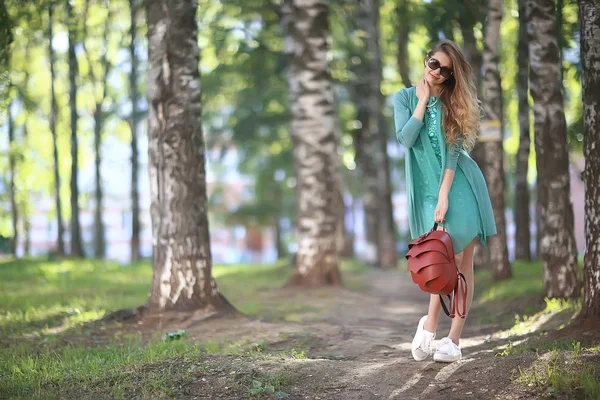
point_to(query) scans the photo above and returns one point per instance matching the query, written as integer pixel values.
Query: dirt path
(358, 347)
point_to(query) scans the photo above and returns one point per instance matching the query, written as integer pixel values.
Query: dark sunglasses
(435, 64)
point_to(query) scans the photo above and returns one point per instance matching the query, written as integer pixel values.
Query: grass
(562, 373)
(526, 281)
(49, 350)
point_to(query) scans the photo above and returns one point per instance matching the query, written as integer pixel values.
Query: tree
(494, 151)
(133, 122)
(523, 234)
(100, 89)
(182, 259)
(76, 245)
(403, 29)
(557, 245)
(14, 211)
(60, 244)
(370, 141)
(589, 15)
(468, 18)
(306, 28)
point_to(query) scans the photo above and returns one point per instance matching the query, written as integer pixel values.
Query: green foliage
(47, 347)
(559, 373)
(526, 281)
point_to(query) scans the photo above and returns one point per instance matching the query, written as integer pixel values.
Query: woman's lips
(434, 76)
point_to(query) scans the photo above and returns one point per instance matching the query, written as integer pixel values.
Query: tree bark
(522, 201)
(589, 17)
(133, 123)
(182, 259)
(60, 244)
(99, 231)
(314, 141)
(403, 17)
(99, 240)
(76, 245)
(386, 242)
(493, 145)
(14, 211)
(371, 146)
(558, 250)
(481, 254)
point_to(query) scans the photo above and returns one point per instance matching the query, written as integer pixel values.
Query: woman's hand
(423, 90)
(439, 215)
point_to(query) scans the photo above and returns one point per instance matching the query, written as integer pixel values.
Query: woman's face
(435, 77)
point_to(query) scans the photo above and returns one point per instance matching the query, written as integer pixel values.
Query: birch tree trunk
(314, 141)
(76, 245)
(523, 234)
(386, 241)
(181, 244)
(493, 146)
(589, 17)
(133, 124)
(481, 255)
(403, 18)
(60, 244)
(557, 246)
(14, 210)
(101, 82)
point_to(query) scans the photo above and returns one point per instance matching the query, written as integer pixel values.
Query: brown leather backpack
(432, 266)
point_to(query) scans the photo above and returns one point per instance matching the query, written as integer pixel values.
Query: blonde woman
(437, 121)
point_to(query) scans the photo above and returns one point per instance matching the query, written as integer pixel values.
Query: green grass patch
(562, 374)
(112, 371)
(526, 281)
(41, 301)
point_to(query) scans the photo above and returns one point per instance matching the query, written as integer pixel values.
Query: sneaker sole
(445, 358)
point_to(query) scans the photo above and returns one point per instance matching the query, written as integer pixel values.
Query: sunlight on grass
(40, 300)
(527, 324)
(562, 373)
(526, 280)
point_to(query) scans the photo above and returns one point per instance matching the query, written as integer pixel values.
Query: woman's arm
(407, 126)
(452, 155)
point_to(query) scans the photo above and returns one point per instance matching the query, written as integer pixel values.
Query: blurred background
(246, 121)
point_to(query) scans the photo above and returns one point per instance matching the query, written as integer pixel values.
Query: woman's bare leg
(433, 314)
(466, 267)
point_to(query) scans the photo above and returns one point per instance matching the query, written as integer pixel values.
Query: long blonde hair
(462, 108)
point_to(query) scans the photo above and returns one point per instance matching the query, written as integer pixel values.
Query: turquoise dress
(469, 212)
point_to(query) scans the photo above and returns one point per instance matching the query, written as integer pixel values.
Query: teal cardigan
(412, 133)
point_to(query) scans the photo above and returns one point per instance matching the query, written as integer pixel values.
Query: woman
(438, 121)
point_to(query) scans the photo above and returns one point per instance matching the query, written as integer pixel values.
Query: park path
(359, 348)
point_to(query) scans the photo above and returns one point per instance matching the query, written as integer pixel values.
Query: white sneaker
(447, 351)
(422, 342)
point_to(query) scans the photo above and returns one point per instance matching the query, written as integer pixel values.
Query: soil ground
(350, 345)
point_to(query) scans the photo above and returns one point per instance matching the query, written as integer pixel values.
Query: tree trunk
(523, 234)
(314, 142)
(60, 244)
(492, 141)
(133, 123)
(99, 241)
(14, 211)
(481, 254)
(76, 245)
(387, 255)
(99, 231)
(371, 148)
(182, 259)
(279, 246)
(403, 17)
(558, 250)
(589, 15)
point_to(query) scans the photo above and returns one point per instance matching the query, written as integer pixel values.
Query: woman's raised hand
(423, 90)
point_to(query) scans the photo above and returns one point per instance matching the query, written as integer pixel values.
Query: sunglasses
(434, 64)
